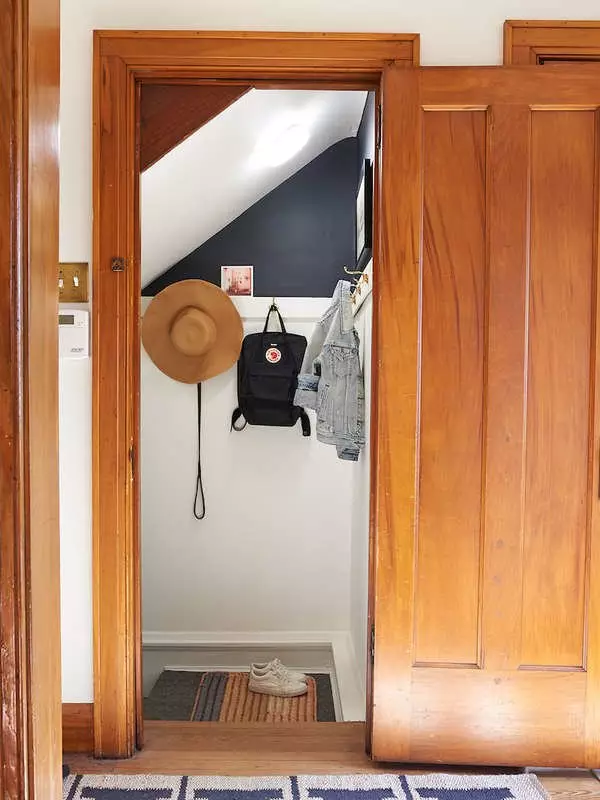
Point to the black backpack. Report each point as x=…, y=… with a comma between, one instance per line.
x=268, y=377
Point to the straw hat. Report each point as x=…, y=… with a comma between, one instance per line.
x=192, y=331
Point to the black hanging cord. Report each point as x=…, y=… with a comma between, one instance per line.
x=199, y=484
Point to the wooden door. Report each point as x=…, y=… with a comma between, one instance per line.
x=487, y=540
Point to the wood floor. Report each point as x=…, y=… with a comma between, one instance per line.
x=192, y=748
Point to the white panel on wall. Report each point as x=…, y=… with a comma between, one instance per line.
x=273, y=553
x=462, y=32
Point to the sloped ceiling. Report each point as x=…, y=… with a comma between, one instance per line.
x=171, y=112
x=211, y=178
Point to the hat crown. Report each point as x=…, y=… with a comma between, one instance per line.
x=193, y=332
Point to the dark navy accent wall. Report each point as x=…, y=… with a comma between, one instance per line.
x=298, y=237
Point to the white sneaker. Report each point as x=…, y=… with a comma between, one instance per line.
x=279, y=669
x=277, y=685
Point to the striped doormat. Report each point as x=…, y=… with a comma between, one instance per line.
x=320, y=787
x=225, y=697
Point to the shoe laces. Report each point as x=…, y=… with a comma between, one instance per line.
x=280, y=669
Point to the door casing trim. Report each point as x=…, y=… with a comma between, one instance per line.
x=122, y=61
x=534, y=41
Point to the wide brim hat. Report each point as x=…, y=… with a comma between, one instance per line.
x=192, y=331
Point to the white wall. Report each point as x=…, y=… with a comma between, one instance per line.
x=75, y=526
x=273, y=553
x=359, y=546
x=462, y=32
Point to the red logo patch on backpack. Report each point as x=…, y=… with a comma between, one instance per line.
x=273, y=355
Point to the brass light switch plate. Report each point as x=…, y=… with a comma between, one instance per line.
x=73, y=282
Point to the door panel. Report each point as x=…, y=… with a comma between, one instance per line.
x=561, y=278
x=451, y=388
x=487, y=546
x=485, y=717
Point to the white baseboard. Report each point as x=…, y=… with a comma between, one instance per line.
x=351, y=697
x=228, y=649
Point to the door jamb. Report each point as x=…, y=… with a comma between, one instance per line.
x=122, y=60
x=30, y=735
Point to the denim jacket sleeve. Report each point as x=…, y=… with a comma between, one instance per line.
x=310, y=374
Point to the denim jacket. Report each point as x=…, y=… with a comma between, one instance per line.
x=331, y=380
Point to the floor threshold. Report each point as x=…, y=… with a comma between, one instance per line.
x=312, y=748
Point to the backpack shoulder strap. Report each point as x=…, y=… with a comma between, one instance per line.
x=235, y=417
x=305, y=422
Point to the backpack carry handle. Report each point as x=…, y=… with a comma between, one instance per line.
x=273, y=309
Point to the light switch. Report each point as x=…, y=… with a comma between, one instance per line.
x=73, y=282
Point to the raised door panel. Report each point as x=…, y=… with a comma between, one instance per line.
x=487, y=567
x=449, y=528
x=559, y=383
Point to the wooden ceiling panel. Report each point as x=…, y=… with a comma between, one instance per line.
x=172, y=112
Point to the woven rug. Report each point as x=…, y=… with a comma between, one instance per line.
x=225, y=697
x=322, y=787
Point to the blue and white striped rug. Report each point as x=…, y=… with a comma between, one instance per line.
x=322, y=787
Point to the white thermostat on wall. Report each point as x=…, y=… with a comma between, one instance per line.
x=73, y=334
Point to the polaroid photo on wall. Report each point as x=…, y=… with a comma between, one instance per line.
x=238, y=281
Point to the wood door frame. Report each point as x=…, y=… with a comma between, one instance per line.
x=122, y=60
x=30, y=730
x=537, y=41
